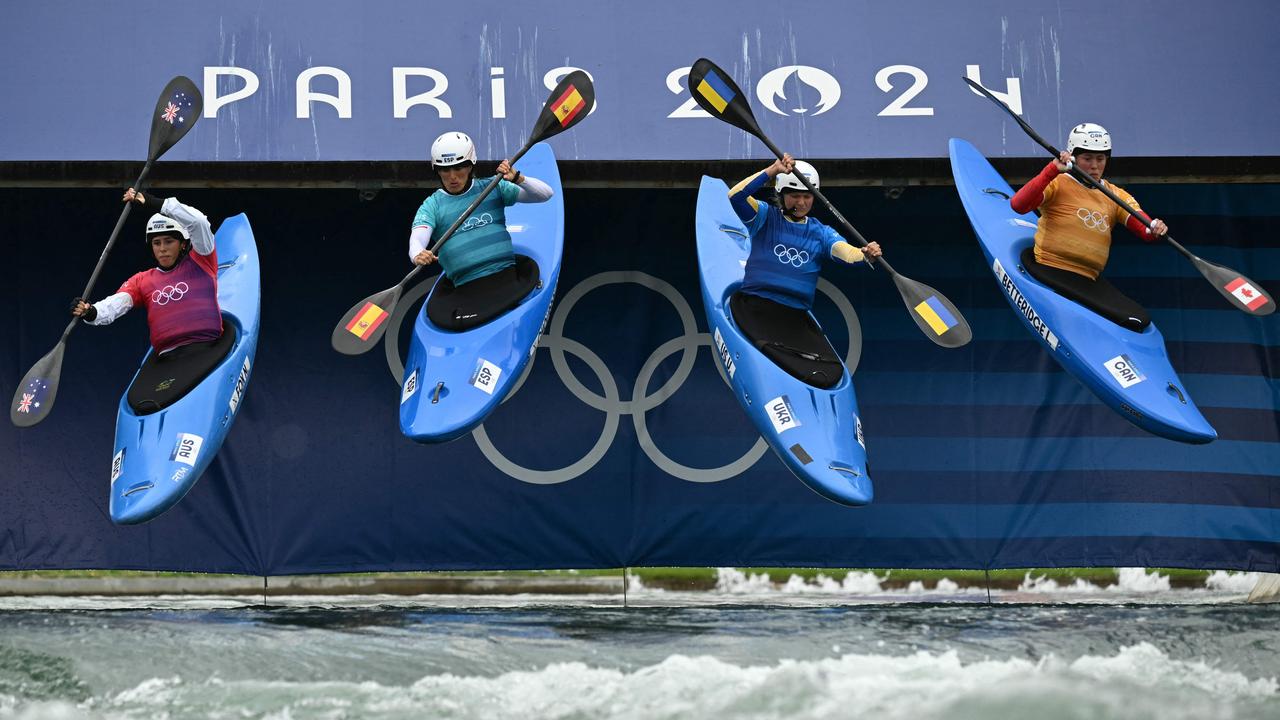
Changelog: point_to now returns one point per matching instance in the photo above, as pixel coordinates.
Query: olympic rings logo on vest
(476, 221)
(790, 255)
(611, 399)
(1094, 220)
(169, 293)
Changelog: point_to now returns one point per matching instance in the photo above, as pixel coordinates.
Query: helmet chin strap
(789, 211)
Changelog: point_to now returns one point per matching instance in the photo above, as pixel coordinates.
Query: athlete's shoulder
(425, 216)
(134, 285)
(208, 263)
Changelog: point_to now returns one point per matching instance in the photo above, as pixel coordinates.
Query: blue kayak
(1129, 371)
(454, 379)
(161, 453)
(815, 432)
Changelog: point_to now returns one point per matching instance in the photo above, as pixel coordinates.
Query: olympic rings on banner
(169, 292)
(612, 403)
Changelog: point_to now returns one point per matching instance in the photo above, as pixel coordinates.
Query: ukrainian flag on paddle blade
(936, 315)
(716, 91)
(568, 106)
(366, 321)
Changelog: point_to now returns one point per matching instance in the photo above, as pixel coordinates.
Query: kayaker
(1073, 235)
(181, 293)
(480, 250)
(781, 275)
(788, 246)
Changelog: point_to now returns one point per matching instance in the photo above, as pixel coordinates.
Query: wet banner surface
(299, 80)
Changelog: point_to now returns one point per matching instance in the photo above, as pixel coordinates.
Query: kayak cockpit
(456, 309)
(789, 337)
(1098, 296)
(165, 378)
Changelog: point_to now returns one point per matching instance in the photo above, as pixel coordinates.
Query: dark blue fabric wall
(988, 456)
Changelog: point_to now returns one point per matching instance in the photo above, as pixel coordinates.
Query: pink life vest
(182, 303)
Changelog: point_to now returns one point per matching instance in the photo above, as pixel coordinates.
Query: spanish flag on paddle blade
(936, 315)
(366, 321)
(568, 106)
(716, 91)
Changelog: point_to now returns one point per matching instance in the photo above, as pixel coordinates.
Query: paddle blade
(935, 315)
(363, 325)
(567, 105)
(714, 91)
(1239, 290)
(34, 398)
(177, 111)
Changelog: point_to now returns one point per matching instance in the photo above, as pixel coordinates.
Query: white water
(1137, 682)
(831, 647)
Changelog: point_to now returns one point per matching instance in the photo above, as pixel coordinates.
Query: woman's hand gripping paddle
(1239, 290)
(361, 327)
(714, 90)
(176, 112)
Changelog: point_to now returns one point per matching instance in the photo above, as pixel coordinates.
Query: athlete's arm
(105, 311)
(191, 219)
(419, 238)
(1031, 195)
(533, 190)
(1136, 226)
(845, 252)
(740, 196)
(194, 222)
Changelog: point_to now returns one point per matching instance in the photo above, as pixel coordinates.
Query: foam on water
(1139, 681)
(731, 581)
(1235, 582)
(1129, 582)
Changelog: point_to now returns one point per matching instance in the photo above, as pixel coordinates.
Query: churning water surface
(826, 649)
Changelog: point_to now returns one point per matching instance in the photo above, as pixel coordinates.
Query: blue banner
(623, 446)
(301, 80)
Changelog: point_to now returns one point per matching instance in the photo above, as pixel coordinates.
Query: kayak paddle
(714, 90)
(1242, 292)
(176, 112)
(361, 327)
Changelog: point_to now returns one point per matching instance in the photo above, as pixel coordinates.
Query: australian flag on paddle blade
(178, 108)
(32, 395)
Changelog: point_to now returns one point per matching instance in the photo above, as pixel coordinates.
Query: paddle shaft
(849, 228)
(102, 259)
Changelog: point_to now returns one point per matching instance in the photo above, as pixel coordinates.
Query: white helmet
(452, 148)
(1089, 137)
(165, 225)
(788, 181)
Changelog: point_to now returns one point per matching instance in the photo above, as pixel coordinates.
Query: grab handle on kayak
(435, 396)
(1006, 196)
(1173, 390)
(844, 469)
(137, 488)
